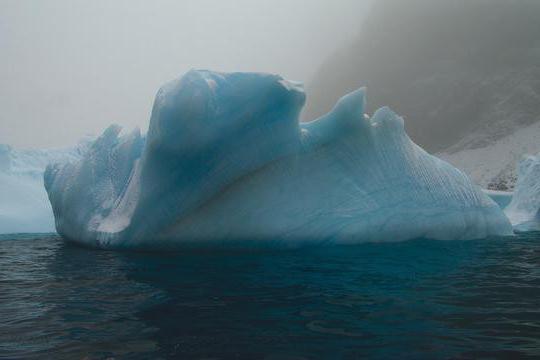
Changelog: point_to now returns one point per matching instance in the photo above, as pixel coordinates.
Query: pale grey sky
(72, 67)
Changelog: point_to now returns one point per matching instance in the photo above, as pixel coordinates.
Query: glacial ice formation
(24, 206)
(226, 162)
(501, 198)
(523, 211)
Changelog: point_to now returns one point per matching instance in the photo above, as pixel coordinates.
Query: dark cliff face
(450, 67)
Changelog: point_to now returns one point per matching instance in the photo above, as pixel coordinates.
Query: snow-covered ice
(24, 206)
(226, 162)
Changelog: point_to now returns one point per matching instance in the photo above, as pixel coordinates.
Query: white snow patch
(496, 163)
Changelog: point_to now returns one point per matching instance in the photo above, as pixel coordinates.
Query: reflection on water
(419, 299)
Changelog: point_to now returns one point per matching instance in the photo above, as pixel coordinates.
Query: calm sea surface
(417, 299)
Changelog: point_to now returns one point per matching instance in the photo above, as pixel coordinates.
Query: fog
(461, 72)
(70, 68)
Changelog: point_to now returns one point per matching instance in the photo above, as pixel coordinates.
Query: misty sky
(70, 67)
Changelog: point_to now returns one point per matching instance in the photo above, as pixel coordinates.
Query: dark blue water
(419, 299)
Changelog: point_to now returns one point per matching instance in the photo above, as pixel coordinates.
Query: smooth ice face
(24, 206)
(523, 211)
(226, 162)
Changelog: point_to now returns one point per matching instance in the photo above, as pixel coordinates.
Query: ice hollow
(226, 162)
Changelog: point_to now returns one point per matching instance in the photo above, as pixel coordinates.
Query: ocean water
(417, 299)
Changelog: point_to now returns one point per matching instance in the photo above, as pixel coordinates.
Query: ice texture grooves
(226, 162)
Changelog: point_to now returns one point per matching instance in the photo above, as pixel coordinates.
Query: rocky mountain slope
(465, 74)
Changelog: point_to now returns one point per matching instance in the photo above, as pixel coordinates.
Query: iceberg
(24, 205)
(524, 209)
(226, 162)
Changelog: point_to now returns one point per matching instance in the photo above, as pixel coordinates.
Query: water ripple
(419, 299)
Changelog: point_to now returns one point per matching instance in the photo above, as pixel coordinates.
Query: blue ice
(226, 162)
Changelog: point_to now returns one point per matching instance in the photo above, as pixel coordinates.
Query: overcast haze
(70, 68)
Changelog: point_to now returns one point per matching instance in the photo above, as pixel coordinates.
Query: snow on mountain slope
(494, 166)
